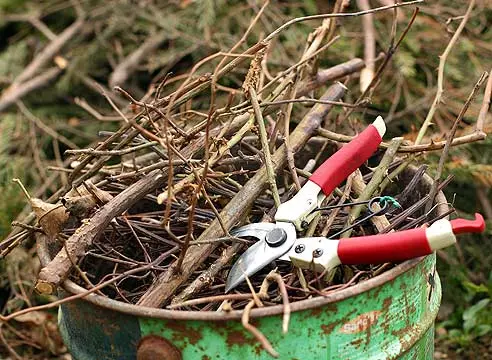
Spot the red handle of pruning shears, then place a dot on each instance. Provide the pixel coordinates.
(349, 158)
(407, 244)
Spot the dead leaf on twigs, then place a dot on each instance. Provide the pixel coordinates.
(51, 217)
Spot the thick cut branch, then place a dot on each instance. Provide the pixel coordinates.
(333, 73)
(58, 269)
(167, 283)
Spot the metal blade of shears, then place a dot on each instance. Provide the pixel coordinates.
(274, 240)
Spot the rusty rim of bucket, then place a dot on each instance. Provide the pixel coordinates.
(137, 310)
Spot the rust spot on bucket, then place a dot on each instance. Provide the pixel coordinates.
(322, 309)
(360, 323)
(357, 342)
(183, 332)
(327, 329)
(238, 338)
(153, 347)
(206, 357)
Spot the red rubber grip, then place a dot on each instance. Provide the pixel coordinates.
(346, 160)
(461, 226)
(381, 248)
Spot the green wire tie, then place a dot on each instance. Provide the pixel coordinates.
(389, 199)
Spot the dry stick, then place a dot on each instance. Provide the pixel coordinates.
(186, 93)
(452, 132)
(402, 217)
(9, 348)
(124, 69)
(264, 146)
(167, 283)
(236, 45)
(484, 109)
(275, 276)
(194, 200)
(440, 76)
(308, 101)
(112, 152)
(391, 50)
(319, 35)
(433, 146)
(337, 15)
(44, 127)
(294, 67)
(34, 20)
(172, 99)
(333, 73)
(48, 53)
(209, 299)
(257, 333)
(57, 270)
(150, 106)
(11, 95)
(178, 187)
(207, 277)
(369, 46)
(334, 213)
(373, 185)
(83, 294)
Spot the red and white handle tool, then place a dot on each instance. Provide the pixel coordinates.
(381, 248)
(330, 174)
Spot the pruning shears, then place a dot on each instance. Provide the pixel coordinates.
(279, 241)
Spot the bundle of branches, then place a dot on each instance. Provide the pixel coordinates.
(145, 214)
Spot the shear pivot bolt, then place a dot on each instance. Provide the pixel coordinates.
(276, 237)
(317, 253)
(299, 248)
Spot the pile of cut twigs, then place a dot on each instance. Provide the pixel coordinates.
(146, 213)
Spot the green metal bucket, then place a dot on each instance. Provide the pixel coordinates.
(390, 316)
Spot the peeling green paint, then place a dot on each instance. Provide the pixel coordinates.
(392, 321)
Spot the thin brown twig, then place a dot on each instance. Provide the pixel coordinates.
(83, 294)
(433, 146)
(337, 15)
(273, 275)
(209, 299)
(264, 145)
(112, 152)
(452, 132)
(255, 332)
(440, 76)
(484, 109)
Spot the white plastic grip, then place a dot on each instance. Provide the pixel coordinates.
(440, 235)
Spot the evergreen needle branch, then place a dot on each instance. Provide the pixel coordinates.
(264, 146)
(440, 74)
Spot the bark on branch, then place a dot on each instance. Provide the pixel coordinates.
(168, 282)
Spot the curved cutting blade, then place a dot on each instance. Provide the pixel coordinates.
(256, 230)
(259, 254)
